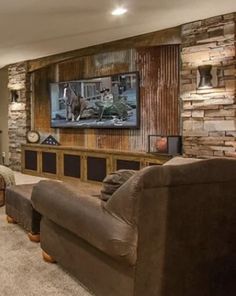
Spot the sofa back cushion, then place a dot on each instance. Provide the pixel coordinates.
(113, 181)
(123, 202)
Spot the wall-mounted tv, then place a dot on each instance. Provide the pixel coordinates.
(100, 102)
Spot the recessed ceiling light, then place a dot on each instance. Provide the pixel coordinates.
(119, 11)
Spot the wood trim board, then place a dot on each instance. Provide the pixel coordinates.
(110, 156)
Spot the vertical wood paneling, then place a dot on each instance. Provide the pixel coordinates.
(72, 137)
(159, 82)
(42, 79)
(72, 70)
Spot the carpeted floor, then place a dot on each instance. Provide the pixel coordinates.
(22, 269)
(24, 273)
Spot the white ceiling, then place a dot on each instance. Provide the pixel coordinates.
(35, 28)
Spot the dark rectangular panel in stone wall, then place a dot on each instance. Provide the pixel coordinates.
(127, 164)
(31, 160)
(72, 165)
(96, 168)
(49, 164)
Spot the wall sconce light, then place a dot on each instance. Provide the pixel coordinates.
(14, 95)
(205, 77)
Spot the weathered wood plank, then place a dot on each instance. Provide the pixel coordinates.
(96, 65)
(72, 137)
(41, 96)
(163, 37)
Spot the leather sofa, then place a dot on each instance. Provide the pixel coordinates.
(168, 230)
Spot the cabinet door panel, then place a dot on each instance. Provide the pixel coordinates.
(49, 162)
(72, 165)
(31, 160)
(96, 168)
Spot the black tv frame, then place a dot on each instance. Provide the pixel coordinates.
(137, 126)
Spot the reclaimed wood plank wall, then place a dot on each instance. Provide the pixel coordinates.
(159, 96)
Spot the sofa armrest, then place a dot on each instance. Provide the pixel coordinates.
(62, 202)
(192, 247)
(85, 216)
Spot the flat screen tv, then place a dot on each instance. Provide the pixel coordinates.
(101, 102)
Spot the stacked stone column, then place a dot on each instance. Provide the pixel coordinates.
(209, 115)
(18, 112)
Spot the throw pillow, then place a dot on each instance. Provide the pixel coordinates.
(113, 181)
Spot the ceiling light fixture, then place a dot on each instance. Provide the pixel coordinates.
(119, 11)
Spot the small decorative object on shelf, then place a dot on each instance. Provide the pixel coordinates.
(33, 137)
(170, 145)
(50, 140)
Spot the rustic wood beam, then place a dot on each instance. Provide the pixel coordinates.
(163, 37)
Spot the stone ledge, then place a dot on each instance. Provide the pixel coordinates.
(220, 125)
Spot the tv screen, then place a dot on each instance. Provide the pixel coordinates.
(101, 102)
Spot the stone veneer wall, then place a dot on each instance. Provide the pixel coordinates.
(18, 112)
(209, 116)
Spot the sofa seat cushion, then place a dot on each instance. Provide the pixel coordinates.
(84, 216)
(18, 206)
(113, 181)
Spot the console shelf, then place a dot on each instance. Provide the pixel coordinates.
(64, 162)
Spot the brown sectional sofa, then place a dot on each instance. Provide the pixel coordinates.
(168, 230)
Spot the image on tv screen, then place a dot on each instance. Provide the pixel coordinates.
(102, 102)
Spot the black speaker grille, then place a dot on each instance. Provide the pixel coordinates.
(72, 165)
(31, 160)
(96, 168)
(127, 164)
(49, 164)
